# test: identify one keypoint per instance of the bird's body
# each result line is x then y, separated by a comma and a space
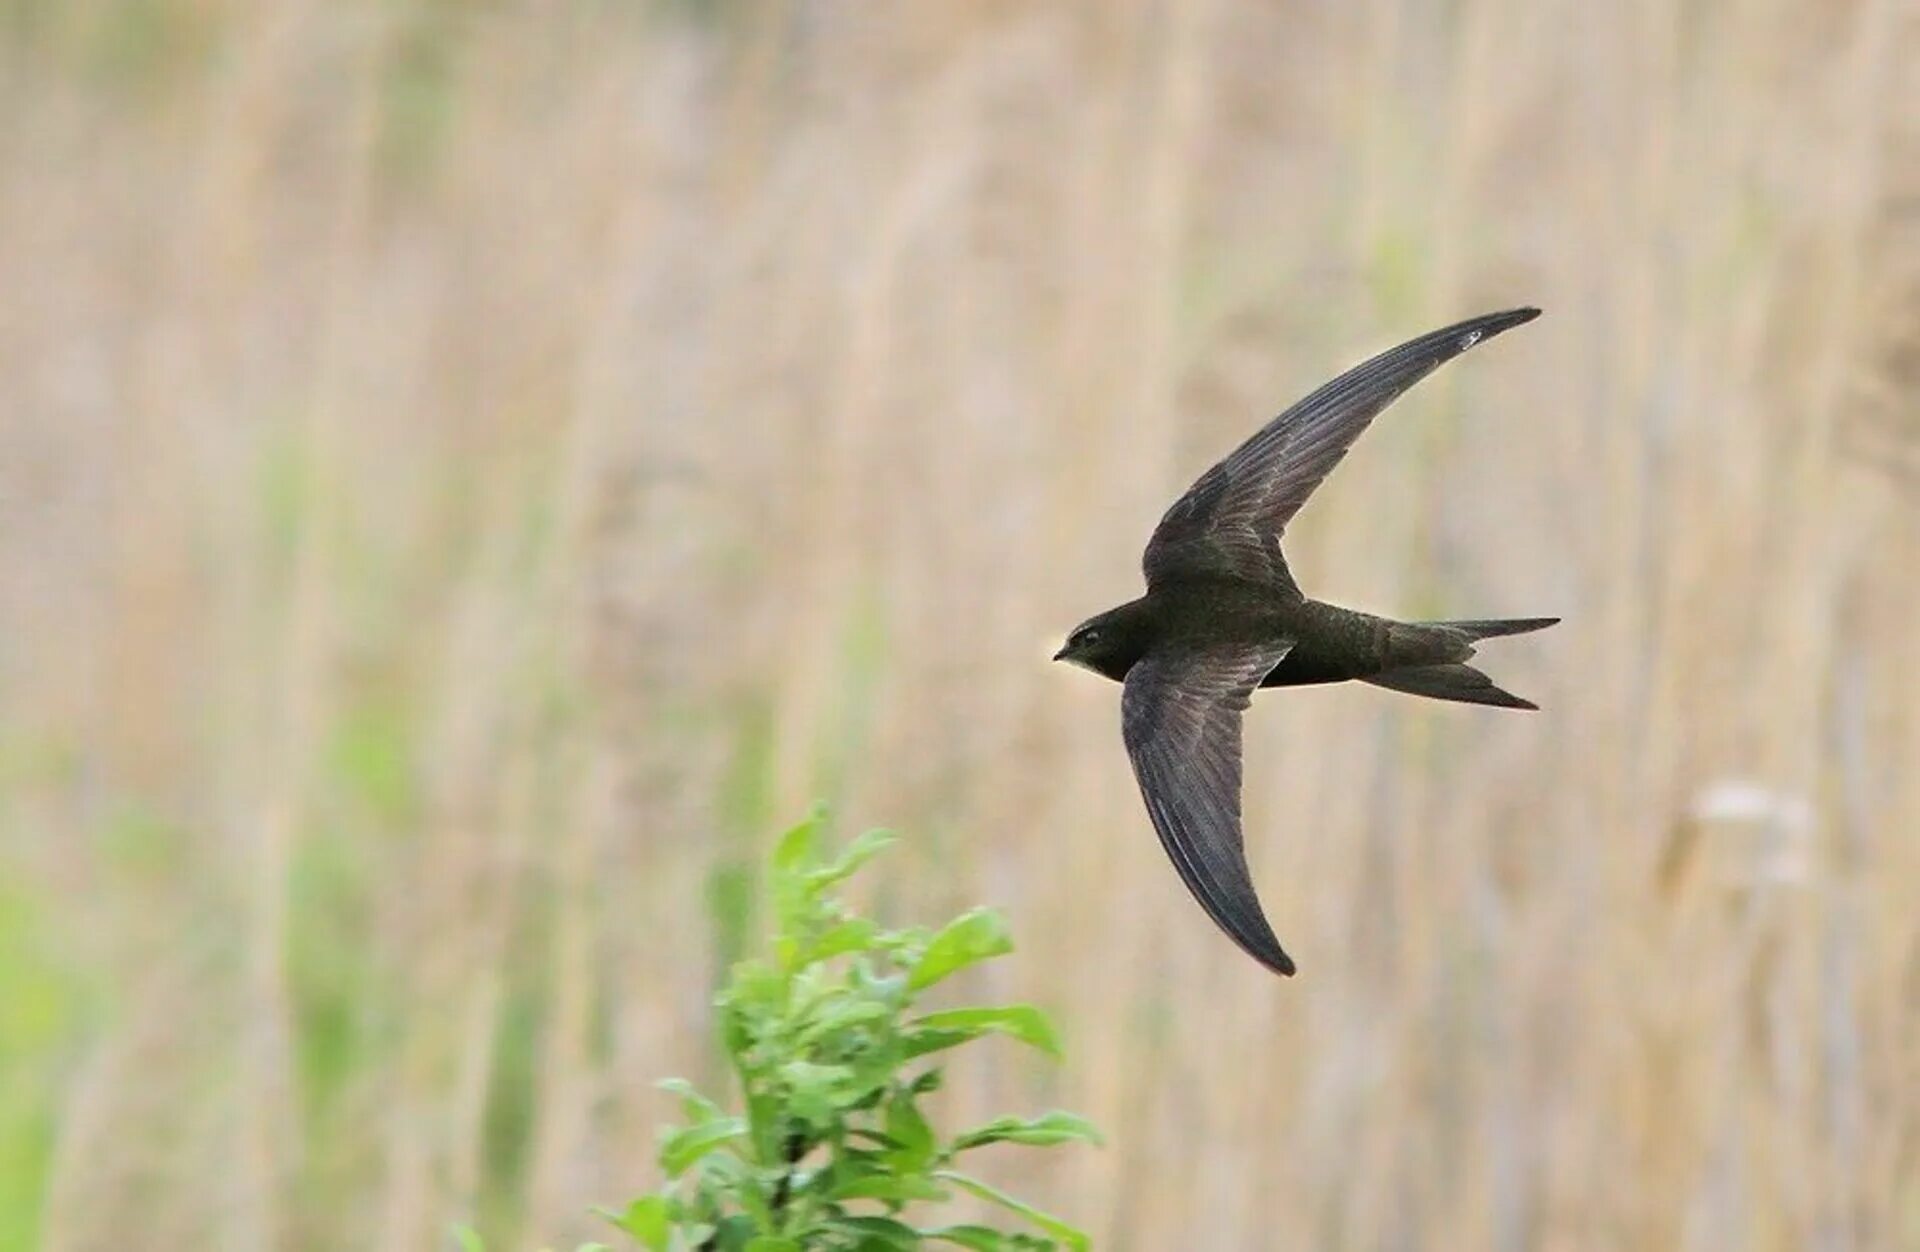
1329, 644
1222, 617
1325, 643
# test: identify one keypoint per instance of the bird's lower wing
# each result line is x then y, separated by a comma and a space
1180, 717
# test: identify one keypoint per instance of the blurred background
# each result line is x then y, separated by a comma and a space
471, 473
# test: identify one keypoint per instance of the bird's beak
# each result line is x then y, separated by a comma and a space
1061, 655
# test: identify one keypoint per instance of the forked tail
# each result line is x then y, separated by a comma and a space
1457, 681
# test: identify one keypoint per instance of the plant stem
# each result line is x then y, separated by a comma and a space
794, 1149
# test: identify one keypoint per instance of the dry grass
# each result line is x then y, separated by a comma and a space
467, 473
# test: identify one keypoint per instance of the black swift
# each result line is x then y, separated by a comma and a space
1222, 616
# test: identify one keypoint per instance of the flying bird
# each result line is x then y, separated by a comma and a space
1222, 616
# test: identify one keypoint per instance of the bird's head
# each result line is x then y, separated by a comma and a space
1108, 644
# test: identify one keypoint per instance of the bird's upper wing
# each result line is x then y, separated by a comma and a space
1180, 716
1229, 522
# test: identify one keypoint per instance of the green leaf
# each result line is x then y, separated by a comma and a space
765, 1117
696, 1108
840, 1012
856, 934
873, 1136
754, 990
1072, 1236
890, 1188
797, 847
814, 1092
974, 936
648, 1219
909, 1129
920, 1042
858, 853
683, 1147
1020, 1021
978, 1238
882, 1232
469, 1239
728, 1169
1043, 1131
736, 1033
773, 1243
808, 1076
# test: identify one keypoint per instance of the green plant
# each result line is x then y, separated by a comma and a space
833, 1150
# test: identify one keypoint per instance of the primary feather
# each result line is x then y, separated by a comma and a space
1230, 521
1180, 717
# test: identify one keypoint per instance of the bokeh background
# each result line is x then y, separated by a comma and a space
471, 473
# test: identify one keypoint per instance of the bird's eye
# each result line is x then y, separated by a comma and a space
1089, 637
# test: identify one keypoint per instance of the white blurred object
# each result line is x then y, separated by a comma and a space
1779, 826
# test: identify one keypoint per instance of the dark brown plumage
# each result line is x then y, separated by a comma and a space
1223, 617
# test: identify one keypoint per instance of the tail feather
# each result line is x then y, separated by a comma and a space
1495, 627
1461, 683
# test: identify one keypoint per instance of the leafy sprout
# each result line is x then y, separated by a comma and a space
831, 1149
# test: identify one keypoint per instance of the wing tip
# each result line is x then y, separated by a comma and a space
1481, 329
1252, 933
1461, 336
1264, 948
